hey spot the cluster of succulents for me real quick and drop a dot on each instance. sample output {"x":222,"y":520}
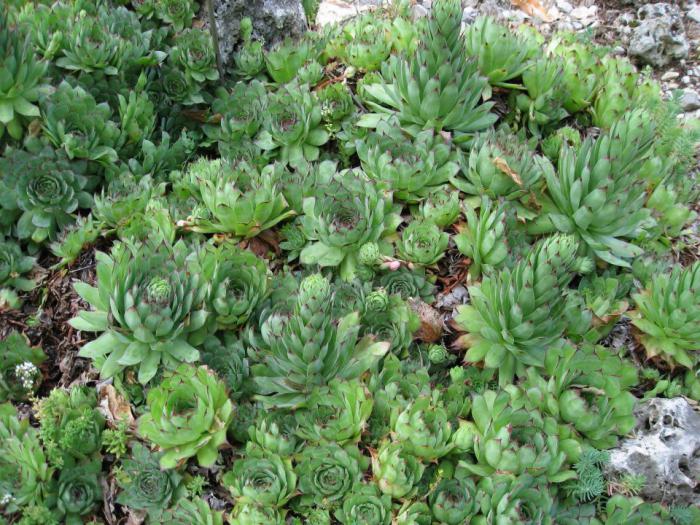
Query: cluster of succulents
{"x":366,"y":277}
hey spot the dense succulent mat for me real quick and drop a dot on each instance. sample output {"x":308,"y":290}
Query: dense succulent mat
{"x":369,"y":277}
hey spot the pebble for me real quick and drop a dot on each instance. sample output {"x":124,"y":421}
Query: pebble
{"x":419,"y":11}
{"x":694,"y":14}
{"x":670,"y":75}
{"x":582,"y":12}
{"x":685,"y":80}
{"x":690,"y":101}
{"x":564,"y":6}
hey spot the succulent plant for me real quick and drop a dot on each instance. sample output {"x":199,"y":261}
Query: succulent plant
{"x":515,"y":314}
{"x":336,"y":104}
{"x":482,"y":238}
{"x":79,"y":491}
{"x":364,"y":43}
{"x":240,"y":200}
{"x":75,"y":122}
{"x":188,"y":414}
{"x":45,"y":190}
{"x":596,"y":193}
{"x":22,"y":75}
{"x":667,"y":316}
{"x":414,"y":513}
{"x":365,"y":506}
{"x":327,"y":473}
{"x":542,"y":105}
{"x":344,"y":216}
{"x":408,"y":283}
{"x":178,"y":13}
{"x":310,"y":349}
{"x":262,"y":478}
{"x":249,"y":59}
{"x":70,"y":425}
{"x":395,"y":471}
{"x":337,"y":414}
{"x":252,"y":514}
{"x":194,"y":54}
{"x":13,"y":265}
{"x":145,"y":486}
{"x":436,"y":87}
{"x":453,"y":501}
{"x":422,"y":243}
{"x":441,"y":207}
{"x":146,"y":303}
{"x":410,"y":167}
{"x":193,"y":512}
{"x":422,"y":428}
{"x":286,"y":58}
{"x":293,"y":129}
{"x":499,"y":164}
{"x":502,"y":55}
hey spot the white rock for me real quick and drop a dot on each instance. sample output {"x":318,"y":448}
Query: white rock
{"x":336,"y":10}
{"x":690,"y":101}
{"x":564,"y":6}
{"x":663,"y":447}
{"x":583,"y":12}
{"x":694,"y":14}
{"x":670,"y":75}
{"x":419,"y":11}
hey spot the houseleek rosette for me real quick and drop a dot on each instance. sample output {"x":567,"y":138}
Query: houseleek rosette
{"x":79,"y":491}
{"x":20,"y":80}
{"x":187,"y":415}
{"x":453,"y":501}
{"x":343,"y":217}
{"x":597,"y":193}
{"x":668,"y":316}
{"x":146,"y":302}
{"x":13,"y":265}
{"x":422,"y":243}
{"x":436,"y":87}
{"x":409,"y":167}
{"x":395,"y":471}
{"x":194,"y":54}
{"x":482,"y":238}
{"x":239,"y":199}
{"x":310,"y":349}
{"x":327,"y":473}
{"x":516,"y":314}
{"x":252,"y":514}
{"x":293,"y":129}
{"x":145,"y":486}
{"x":365,"y":506}
{"x":261,"y":478}
{"x":238,"y":283}
{"x":422,"y":428}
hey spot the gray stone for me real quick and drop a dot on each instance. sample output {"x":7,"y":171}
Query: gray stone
{"x":694,"y":14}
{"x":564,"y":6}
{"x":273,"y":21}
{"x":660,"y":36}
{"x":670,"y":75}
{"x":665,"y":449}
{"x":690,"y":101}
{"x":419,"y":11}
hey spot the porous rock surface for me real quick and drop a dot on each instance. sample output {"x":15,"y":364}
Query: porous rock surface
{"x":665,"y":449}
{"x":660,"y":36}
{"x":273,"y":21}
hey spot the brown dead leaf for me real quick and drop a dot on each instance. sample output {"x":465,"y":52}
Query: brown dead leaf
{"x":113,"y":405}
{"x":533,"y":8}
{"x":431,"y":325}
{"x":502,"y":165}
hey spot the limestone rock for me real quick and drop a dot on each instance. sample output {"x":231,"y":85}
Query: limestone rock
{"x":273,"y":21}
{"x":665,"y":449}
{"x":660,"y":36}
{"x":690,"y":101}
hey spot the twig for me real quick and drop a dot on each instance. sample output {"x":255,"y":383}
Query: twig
{"x":215,"y":38}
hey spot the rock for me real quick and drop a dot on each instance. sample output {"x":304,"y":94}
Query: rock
{"x":665,"y":449}
{"x":694,"y":14}
{"x":273,"y":21}
{"x":660,"y":36}
{"x":331,"y":11}
{"x":564,"y":6}
{"x":583,"y":13}
{"x":670,"y":75}
{"x":690,"y":101}
{"x":419,"y":11}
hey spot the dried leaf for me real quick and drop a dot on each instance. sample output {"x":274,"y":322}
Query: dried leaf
{"x":431,"y":325}
{"x":502,"y":165}
{"x":533,"y":8}
{"x":113,"y":405}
